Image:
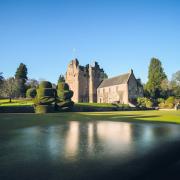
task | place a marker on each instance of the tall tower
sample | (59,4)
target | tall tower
(96,75)
(72,78)
(84,81)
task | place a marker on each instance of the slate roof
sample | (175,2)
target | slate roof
(121,79)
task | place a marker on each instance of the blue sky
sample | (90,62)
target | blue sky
(47,34)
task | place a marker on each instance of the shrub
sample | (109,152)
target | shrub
(170,99)
(41,109)
(168,103)
(31,93)
(160,100)
(62,86)
(144,102)
(64,96)
(45,84)
(41,92)
(148,103)
(45,98)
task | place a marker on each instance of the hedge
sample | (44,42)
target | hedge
(41,109)
(45,84)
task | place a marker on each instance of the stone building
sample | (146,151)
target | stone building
(84,81)
(120,89)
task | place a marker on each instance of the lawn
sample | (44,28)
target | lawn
(16,102)
(29,102)
(16,121)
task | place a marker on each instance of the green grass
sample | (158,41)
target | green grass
(100,105)
(28,102)
(16,121)
(95,104)
(16,102)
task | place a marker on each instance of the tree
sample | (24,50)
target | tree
(32,83)
(1,80)
(156,75)
(9,88)
(45,98)
(61,79)
(31,93)
(21,77)
(1,77)
(176,78)
(175,83)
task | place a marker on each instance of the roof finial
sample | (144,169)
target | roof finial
(131,71)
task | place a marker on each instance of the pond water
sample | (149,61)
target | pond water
(84,150)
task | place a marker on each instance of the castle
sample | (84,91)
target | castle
(84,80)
(90,84)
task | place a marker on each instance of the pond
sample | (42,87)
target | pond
(89,150)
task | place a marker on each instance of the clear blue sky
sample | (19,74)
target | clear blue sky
(120,35)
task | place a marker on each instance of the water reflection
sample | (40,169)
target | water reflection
(74,140)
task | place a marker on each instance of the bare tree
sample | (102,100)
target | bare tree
(9,88)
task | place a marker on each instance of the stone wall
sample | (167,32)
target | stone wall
(134,88)
(121,93)
(112,94)
(84,81)
(96,76)
(72,78)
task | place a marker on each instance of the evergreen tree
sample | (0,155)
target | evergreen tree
(156,75)
(21,72)
(61,79)
(1,77)
(21,77)
(1,82)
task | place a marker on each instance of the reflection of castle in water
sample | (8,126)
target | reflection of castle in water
(75,140)
(97,137)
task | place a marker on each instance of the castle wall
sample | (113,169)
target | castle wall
(134,90)
(96,77)
(84,81)
(72,78)
(112,94)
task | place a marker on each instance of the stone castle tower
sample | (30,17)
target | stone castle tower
(84,80)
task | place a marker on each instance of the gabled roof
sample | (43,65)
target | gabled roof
(121,79)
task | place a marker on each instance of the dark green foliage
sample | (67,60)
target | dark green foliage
(63,86)
(1,77)
(46,96)
(21,77)
(66,104)
(21,72)
(41,109)
(31,93)
(43,92)
(45,84)
(64,96)
(155,77)
(61,79)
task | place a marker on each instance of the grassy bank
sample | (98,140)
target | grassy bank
(16,121)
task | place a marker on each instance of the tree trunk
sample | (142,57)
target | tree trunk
(10,100)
